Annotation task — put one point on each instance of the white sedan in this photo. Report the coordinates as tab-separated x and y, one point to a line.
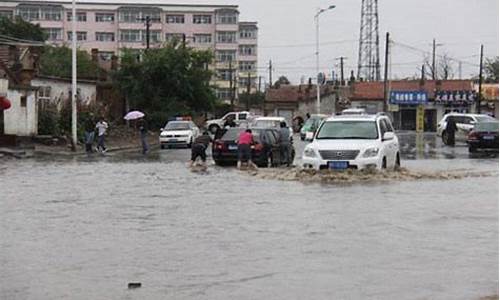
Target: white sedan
178	133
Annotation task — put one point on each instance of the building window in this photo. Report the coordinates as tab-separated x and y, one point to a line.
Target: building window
54	34
51	13
243	82
224	94
138	16
248	50
80	17
80	36
225	55
247	66
154	36
6	14
248	34
23	101
130	16
169	37
202	19
224	74
44	92
202	38
130	35
29	13
104	17
175	19
226	37
227	18
105	36
105	55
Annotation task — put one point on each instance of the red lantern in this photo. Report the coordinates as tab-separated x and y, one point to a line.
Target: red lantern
4	103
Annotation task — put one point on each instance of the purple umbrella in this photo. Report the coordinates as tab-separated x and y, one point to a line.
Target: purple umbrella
133	115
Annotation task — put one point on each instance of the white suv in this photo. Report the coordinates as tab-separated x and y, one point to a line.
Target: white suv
238	117
353	142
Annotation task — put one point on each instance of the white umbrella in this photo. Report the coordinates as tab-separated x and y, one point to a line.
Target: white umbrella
133	115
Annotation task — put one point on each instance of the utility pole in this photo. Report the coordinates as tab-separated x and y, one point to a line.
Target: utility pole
342	69
479	96
434	45
73	79
260	79
248	92
231	82
386	67
270	74
148	21
422	73
459	70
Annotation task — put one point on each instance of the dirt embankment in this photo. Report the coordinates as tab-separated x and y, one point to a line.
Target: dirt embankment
355	176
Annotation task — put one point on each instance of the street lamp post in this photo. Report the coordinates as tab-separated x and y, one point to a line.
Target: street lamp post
318	94
73	78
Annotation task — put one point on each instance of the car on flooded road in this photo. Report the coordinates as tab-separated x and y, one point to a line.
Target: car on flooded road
310	126
484	135
178	133
271	122
464	122
353	142
265	150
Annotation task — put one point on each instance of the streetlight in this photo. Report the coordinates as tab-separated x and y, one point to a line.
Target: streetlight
316	17
73	77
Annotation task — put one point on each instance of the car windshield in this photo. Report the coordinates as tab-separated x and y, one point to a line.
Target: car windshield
481	119
311	123
486	126
348	130
177	126
232	134
267	123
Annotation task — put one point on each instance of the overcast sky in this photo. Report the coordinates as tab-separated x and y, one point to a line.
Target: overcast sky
287	32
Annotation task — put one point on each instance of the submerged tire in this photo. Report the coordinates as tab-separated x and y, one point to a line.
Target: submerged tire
384	163
397	163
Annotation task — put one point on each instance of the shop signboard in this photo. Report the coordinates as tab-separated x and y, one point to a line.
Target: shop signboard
408	97
467	97
420	118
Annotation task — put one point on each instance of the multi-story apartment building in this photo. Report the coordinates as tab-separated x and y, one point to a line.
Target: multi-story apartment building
110	27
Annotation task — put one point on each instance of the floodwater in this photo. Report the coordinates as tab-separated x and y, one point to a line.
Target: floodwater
84	228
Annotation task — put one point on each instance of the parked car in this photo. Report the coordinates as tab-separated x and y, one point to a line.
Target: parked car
265	151
178	133
311	125
484	135
465	123
271	122
238	117
353	142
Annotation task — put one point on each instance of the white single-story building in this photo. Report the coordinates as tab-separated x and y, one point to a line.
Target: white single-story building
57	90
21	119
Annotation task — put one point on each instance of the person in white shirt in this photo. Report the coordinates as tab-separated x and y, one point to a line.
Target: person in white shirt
101	127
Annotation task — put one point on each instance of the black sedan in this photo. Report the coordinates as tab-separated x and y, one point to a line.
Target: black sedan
484	135
265	150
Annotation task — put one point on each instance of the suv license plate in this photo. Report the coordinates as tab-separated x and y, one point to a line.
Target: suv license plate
338	165
232	147
489	137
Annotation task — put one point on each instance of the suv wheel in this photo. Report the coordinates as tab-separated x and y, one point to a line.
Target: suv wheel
384	163
213	128
397	164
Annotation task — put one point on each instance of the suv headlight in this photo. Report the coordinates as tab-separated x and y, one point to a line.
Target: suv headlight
371	152
309	152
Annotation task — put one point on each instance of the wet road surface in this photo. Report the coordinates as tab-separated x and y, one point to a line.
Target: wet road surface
84	228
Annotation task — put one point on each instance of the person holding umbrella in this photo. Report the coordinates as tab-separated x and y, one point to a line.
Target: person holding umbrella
143	131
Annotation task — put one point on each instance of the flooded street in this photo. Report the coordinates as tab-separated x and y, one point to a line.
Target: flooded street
83	228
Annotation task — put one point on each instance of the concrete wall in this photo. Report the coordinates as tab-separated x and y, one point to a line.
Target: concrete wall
327	104
18	120
61	90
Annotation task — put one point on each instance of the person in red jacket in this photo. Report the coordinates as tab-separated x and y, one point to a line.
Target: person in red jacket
245	141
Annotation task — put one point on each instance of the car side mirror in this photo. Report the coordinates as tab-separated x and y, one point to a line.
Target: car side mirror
388	136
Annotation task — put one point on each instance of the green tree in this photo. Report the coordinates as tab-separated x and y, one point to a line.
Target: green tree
491	69
168	81
252	99
281	80
56	61
18	28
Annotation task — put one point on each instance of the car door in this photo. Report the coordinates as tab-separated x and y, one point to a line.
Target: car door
464	125
394	143
386	145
